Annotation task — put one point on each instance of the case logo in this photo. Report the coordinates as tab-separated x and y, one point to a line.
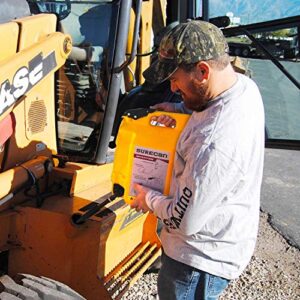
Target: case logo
25	79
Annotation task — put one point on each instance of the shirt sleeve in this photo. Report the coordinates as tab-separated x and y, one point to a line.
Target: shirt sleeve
180	108
208	177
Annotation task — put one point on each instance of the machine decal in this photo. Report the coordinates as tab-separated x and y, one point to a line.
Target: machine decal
131	216
25	79
149	168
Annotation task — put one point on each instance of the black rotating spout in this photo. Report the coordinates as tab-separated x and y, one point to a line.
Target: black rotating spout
118	191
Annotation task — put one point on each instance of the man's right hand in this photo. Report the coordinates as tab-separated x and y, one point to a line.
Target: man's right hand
164	106
163	120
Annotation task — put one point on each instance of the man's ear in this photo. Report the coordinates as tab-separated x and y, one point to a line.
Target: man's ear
203	70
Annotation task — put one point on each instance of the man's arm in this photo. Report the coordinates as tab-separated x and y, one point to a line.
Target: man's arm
205	182
172	107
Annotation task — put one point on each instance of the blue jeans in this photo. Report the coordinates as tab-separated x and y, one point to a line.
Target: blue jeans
178	281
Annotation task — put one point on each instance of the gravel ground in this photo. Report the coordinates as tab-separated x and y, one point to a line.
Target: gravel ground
273	273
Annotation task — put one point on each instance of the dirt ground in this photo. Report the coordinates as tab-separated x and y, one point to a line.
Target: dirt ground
273	273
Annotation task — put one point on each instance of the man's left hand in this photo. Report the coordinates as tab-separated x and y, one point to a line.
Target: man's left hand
139	202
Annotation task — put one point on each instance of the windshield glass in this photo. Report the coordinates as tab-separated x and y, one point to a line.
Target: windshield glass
253	11
82	85
281	94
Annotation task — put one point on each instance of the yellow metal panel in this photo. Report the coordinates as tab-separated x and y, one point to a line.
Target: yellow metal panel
145	44
146	37
123	238
129	72
159	15
34	28
104	245
88	176
48	249
9	40
33	126
6	221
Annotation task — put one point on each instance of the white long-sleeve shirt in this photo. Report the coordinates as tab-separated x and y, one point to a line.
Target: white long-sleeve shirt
211	216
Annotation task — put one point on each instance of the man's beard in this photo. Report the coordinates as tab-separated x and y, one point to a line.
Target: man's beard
198	99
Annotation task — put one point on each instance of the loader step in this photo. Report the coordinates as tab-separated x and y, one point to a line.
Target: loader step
131	269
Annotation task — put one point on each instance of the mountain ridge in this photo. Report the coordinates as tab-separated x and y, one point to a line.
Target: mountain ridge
252	11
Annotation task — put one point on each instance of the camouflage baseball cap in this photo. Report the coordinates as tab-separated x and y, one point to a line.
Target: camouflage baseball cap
186	43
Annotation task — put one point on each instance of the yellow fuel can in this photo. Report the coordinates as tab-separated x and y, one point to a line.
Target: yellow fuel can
145	151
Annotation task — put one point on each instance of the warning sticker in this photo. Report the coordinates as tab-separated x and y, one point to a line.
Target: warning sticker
149	168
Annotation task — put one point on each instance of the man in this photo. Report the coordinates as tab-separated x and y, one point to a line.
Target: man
211	215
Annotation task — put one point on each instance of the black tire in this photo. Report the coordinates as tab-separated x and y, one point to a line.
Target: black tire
289	53
32	287
245	52
237	51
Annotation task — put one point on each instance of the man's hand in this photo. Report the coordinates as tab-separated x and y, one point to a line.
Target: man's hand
139	202
163	120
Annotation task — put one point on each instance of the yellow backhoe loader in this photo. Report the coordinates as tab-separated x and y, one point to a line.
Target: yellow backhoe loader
63	68
68	71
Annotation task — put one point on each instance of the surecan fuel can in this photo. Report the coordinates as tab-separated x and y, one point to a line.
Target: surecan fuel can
145	152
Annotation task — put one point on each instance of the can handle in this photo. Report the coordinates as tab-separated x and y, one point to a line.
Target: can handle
159	124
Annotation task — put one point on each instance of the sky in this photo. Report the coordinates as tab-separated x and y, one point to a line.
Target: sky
253	11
